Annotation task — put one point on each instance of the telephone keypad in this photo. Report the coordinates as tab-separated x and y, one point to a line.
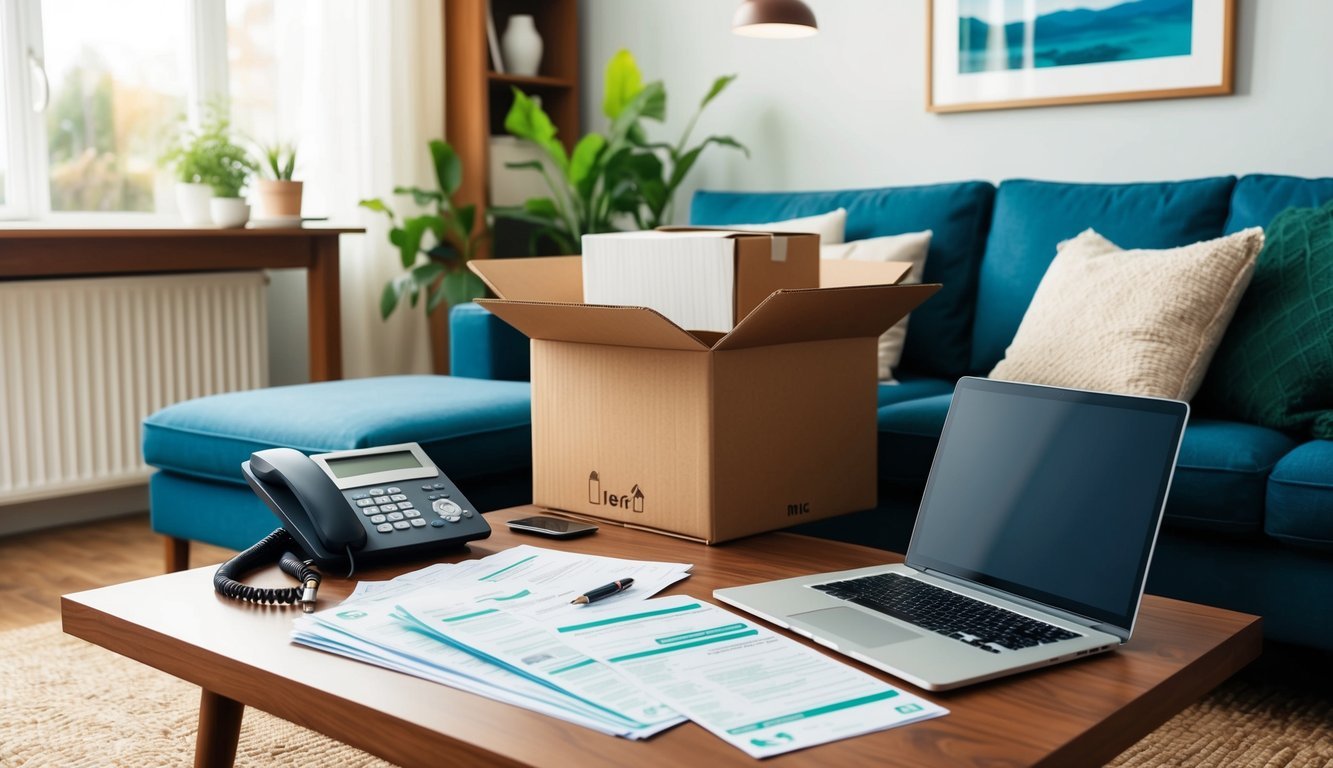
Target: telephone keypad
384	527
377	519
412	513
418	523
364	502
369	511
402	525
393	516
393	489
397	496
381	499
388	507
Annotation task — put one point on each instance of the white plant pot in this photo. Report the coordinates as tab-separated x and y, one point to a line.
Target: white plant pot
192	201
522	45
229	212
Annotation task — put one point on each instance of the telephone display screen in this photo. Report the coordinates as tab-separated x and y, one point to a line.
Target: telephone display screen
355	466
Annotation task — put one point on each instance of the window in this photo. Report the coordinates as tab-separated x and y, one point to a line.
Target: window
91	95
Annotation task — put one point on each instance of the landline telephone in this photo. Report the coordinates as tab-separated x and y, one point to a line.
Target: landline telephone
348	508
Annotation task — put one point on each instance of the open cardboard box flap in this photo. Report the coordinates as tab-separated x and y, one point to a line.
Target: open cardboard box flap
541	298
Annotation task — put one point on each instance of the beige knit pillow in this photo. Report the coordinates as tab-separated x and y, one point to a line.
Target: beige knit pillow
1135	322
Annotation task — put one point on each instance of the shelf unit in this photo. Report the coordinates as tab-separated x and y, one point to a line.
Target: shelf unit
477	98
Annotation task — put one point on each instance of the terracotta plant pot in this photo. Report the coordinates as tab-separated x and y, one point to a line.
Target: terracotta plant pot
278	199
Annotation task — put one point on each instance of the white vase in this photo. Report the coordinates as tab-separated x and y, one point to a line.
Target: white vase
192	202
229	212
522	46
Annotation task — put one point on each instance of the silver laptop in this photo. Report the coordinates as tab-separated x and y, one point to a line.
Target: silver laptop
1031	546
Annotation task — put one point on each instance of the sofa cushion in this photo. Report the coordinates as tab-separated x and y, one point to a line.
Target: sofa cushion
1222	476
1257	198
469	427
959	214
1032	217
912	388
1275	364
1139	322
482	346
909	432
1300	497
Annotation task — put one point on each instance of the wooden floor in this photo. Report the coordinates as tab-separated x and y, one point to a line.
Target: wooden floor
37	568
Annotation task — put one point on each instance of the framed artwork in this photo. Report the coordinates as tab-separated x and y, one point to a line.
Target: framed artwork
1001	54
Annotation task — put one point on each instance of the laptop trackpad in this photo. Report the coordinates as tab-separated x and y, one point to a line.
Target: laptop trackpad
857	626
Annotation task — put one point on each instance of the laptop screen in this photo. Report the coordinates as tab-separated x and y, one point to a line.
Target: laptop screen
1051	494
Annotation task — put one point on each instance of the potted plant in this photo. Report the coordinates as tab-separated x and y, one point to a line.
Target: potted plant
209	157
435	246
278	197
613	177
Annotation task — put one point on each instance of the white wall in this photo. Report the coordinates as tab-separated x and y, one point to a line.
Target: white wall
846	107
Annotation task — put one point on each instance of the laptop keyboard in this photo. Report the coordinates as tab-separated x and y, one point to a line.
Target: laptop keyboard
962	618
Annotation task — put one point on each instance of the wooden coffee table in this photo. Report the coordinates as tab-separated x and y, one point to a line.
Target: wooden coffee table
1082	713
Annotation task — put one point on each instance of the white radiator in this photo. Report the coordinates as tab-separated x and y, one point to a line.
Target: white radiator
84	361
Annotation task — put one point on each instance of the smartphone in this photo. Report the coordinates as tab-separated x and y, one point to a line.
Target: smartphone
554	527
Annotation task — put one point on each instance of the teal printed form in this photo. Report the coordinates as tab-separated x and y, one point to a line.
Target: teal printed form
757	690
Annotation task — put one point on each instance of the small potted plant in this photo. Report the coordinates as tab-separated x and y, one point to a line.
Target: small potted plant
278	197
208	156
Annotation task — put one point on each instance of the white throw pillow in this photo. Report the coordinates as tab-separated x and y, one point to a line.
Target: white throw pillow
831	227
910	248
1135	322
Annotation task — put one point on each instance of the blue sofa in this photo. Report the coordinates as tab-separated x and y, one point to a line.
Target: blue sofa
1249	522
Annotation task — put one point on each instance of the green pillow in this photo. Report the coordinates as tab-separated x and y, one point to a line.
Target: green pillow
1275	364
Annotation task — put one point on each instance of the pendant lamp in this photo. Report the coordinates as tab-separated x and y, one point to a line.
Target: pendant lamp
774	19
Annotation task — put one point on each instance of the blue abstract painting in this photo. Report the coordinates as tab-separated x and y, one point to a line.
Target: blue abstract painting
995	35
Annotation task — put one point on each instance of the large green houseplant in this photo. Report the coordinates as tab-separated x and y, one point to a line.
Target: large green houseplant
435	246
612	177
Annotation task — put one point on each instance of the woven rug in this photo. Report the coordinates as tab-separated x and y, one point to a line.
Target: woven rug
67	704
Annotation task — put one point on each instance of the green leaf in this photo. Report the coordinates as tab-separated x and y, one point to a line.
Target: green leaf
448	167
389	298
424	274
685	163
467	217
396	237
651	100
525	165
377	205
444	253
541	207
719	85
461	287
527	120
654	107
413	230
420	196
623	83
583	162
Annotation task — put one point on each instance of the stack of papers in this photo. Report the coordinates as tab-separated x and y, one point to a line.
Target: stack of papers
503	627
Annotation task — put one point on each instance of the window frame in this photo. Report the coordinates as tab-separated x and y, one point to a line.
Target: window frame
28	179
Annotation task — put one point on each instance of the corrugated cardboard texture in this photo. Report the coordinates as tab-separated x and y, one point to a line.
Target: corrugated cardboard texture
550	278
638	418
591	324
826	313
758	274
842	273
793	435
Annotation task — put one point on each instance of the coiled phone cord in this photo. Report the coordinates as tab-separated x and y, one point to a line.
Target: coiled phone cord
264	552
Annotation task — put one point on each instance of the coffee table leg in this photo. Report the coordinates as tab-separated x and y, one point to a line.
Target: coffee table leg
219	730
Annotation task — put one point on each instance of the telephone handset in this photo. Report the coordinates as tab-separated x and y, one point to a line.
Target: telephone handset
349	508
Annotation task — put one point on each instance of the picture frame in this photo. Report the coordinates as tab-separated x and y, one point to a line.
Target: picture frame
1055	52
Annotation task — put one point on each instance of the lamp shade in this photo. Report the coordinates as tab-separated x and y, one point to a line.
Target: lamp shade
774	18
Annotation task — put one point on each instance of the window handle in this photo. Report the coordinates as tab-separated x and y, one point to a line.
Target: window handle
38	68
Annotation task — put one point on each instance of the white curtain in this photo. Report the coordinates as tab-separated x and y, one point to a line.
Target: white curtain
362	85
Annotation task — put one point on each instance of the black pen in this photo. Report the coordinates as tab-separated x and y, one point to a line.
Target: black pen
593	595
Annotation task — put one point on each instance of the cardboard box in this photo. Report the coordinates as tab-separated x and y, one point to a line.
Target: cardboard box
704	435
700	279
